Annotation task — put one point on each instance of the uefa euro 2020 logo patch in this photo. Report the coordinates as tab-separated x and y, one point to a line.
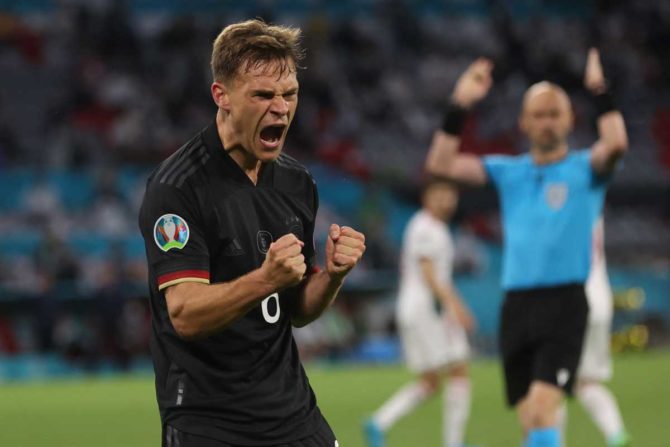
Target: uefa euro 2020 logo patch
170	231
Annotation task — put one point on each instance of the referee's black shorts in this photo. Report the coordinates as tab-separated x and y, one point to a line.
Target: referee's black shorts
172	437
541	337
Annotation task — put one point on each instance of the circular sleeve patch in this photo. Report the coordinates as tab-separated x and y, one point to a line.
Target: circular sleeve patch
171	231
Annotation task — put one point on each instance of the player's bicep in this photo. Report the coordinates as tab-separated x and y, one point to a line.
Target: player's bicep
177	295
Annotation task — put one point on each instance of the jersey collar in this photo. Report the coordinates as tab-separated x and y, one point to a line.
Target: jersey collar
225	162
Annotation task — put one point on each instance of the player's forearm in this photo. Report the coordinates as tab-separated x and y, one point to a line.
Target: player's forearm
612	133
444	159
442	153
447	296
199	310
318	294
612	137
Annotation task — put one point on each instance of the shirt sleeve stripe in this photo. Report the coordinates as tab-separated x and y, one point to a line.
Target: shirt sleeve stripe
170	279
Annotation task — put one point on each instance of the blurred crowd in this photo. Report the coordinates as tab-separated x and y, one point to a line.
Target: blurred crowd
95	93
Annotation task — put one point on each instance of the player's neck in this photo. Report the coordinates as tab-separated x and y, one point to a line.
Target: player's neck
432	213
544	157
249	164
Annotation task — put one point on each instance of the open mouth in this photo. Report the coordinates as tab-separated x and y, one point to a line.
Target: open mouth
271	135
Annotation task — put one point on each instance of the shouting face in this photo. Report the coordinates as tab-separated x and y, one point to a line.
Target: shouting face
259	103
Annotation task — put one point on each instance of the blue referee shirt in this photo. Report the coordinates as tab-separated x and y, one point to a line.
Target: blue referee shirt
548	214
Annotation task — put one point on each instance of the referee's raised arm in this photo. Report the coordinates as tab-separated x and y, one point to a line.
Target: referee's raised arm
612	141
443	158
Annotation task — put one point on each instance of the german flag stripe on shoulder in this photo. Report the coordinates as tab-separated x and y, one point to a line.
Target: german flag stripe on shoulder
170	279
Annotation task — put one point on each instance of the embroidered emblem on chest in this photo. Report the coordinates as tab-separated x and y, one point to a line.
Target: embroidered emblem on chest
556	194
263	240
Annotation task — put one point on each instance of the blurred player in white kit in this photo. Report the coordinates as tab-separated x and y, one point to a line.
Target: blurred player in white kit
596	363
434	343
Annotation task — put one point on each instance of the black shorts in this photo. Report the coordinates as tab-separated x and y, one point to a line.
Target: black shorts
172	437
541	337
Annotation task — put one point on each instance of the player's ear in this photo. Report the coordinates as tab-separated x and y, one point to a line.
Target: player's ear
220	95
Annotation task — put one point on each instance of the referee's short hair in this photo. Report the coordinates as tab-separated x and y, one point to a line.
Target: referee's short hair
249	44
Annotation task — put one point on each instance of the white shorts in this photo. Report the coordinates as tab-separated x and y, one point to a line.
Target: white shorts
429	342
596	362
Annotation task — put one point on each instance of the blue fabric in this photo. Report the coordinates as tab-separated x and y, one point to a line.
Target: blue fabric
548	214
544	437
373	434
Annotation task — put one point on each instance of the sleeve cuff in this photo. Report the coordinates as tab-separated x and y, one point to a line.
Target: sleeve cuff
170	279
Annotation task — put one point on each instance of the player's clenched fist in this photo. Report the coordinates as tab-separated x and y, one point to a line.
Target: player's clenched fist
284	263
344	249
474	83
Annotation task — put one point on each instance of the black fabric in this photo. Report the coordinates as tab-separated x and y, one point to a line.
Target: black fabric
604	102
541	336
454	119
244	385
323	436
164	197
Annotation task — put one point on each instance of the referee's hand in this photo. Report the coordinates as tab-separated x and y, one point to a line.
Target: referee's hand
344	248
594	79
474	83
284	263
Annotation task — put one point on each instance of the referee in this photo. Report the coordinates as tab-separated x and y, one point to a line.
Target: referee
550	199
228	223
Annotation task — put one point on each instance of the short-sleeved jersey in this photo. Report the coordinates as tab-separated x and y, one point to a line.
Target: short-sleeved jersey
548	212
203	220
425	237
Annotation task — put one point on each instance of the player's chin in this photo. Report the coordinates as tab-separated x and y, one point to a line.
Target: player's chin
269	152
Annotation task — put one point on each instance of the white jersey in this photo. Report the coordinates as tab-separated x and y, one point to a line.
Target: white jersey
429	340
598	290
429	238
596	362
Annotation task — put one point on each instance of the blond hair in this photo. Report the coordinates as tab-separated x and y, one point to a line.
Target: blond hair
250	44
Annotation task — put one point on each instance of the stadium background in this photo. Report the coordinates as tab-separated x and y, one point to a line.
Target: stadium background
94	93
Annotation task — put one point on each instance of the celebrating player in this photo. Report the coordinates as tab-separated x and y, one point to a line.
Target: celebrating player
434	344
595	367
228	224
550	199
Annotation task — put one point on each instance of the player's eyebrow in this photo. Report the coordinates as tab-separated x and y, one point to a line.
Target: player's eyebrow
263	92
291	91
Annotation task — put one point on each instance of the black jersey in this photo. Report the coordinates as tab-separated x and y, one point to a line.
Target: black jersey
203	219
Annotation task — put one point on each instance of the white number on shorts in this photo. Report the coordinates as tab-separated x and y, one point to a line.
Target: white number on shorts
266	313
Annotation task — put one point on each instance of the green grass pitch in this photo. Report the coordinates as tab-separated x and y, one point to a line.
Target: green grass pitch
121	411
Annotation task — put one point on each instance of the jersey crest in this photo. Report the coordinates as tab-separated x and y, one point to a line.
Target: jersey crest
263	240
556	195
171	231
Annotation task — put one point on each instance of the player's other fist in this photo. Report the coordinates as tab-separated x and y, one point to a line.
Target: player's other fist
344	248
474	83
284	264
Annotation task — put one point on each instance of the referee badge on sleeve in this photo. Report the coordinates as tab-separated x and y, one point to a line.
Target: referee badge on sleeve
171	231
